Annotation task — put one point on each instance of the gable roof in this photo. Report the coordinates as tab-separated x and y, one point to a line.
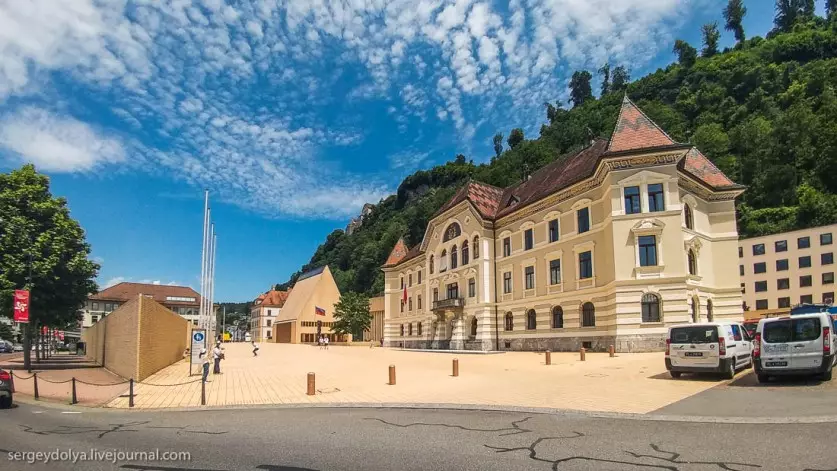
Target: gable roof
310	273
397	254
160	293
302	292
634	130
485	198
273	298
696	164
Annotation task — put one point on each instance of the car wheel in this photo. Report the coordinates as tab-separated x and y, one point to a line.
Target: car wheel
826	376
763	379
730	373
675	374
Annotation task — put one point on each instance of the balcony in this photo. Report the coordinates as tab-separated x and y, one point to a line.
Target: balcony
448	304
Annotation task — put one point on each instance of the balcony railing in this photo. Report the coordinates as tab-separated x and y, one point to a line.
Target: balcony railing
450	303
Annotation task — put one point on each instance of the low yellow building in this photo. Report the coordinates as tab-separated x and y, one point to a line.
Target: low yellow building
309	310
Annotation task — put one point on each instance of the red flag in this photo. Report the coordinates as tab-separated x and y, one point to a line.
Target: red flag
21	306
319	311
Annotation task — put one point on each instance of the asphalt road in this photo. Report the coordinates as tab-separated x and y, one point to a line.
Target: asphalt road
401	439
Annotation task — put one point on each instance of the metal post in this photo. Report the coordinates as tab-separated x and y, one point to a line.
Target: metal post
392	375
74	398
35	376
203	392
203	257
131	392
455	367
582	353
548	357
312	388
612	351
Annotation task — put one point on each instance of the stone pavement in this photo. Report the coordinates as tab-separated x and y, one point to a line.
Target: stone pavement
632	383
94	386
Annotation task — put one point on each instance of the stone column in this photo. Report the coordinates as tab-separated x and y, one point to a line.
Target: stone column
457	338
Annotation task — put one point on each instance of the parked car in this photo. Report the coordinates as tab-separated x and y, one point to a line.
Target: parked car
751	326
5	389
711	347
17	348
6	347
799	345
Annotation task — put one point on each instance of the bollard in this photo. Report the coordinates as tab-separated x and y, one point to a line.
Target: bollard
455	367
35	376
583	353
392	375
203	393
612	351
74	399
312	389
131	392
548	357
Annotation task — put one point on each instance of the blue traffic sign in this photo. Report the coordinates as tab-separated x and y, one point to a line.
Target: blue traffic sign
197	336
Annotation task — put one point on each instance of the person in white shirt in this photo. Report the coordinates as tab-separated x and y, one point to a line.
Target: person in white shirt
255	349
217	354
205	357
325	341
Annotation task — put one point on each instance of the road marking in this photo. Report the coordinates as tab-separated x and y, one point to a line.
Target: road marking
70	412
37	412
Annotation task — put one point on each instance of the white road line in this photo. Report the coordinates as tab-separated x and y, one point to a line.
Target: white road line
70	412
37	412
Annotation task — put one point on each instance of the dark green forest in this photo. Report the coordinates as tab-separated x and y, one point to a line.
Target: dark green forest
764	111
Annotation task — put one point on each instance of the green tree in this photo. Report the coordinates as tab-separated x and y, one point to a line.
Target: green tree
807	9
830	8
39	238
621	78
686	54
580	89
515	137
6	332
604	71
711	35
787	12
498	144
460	159
351	314
734	14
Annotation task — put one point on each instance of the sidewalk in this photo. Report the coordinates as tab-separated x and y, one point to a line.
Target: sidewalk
633	383
56	385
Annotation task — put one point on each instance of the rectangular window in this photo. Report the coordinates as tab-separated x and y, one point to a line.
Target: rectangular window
803	242
418	302
410	279
656	198
741	270
761	304
585	265
472	288
784	302
647	251
530	277
94	319
805	262
453	290
435	294
828	298
632	200
553	230
555	272
402	283
740	252
583	220
828	278
758	249
805	281
95	306
507	282
760	267
528	239
419	277
268	322
783	283
781	246
782	265
410	308
825	239
827	258
806	299
761	286
506	247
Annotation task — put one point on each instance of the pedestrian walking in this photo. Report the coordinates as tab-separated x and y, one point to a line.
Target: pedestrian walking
205	358
325	340
217	355
255	349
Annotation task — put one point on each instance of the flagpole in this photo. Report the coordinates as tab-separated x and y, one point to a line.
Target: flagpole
211	319
203	255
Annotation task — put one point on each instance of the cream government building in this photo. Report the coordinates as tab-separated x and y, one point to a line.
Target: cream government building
606	246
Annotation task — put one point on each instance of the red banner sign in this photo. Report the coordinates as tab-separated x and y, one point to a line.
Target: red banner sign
21	306
61	335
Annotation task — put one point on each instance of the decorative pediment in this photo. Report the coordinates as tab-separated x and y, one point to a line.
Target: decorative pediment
694	243
582	203
648	227
471	271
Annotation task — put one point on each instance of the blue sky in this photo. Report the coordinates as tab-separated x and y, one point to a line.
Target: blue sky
292	113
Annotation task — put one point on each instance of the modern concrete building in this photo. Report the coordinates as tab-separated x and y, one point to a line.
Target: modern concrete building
309	309
609	245
782	270
264	312
181	300
376	329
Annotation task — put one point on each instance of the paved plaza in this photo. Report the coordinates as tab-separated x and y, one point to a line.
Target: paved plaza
633	383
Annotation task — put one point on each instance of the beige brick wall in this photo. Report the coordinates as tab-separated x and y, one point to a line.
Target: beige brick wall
112	342
162	338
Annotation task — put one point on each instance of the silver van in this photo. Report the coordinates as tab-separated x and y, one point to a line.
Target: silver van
798	345
709	347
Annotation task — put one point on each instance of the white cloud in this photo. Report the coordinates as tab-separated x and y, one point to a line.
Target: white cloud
57	143
114	281
408	160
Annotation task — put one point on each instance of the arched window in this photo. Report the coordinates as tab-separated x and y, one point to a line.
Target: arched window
411	304
476	247
557	317
687	214
692	262
443	260
402	330
465	253
695	308
473	327
509	321
410	328
419	328
650	308
531	320
710	316
588	315
452	232
431	264
453	260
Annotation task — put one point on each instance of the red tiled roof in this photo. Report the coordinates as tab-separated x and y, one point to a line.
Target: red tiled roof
702	168
634	130
485	198
161	293
398	253
274	298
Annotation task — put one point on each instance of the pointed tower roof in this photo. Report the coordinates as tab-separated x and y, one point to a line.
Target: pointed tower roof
634	130
399	252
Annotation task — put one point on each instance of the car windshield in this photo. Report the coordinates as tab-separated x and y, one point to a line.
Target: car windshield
777	331
696	334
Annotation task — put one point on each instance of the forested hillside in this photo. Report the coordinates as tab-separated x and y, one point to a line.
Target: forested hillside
764	111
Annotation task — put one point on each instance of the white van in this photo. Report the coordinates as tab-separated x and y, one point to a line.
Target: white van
709	347
796	345
247	337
